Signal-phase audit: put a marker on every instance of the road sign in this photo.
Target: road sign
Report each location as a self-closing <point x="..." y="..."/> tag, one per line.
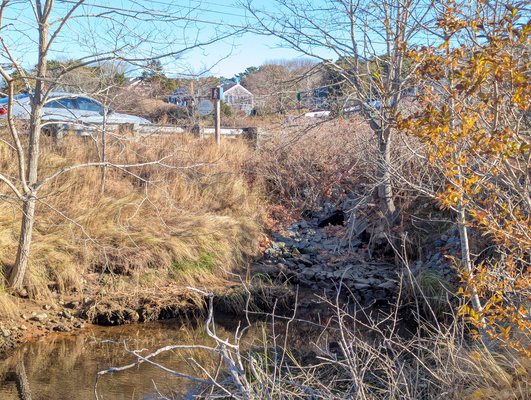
<point x="217" y="93"/>
<point x="205" y="107"/>
<point x="298" y="96"/>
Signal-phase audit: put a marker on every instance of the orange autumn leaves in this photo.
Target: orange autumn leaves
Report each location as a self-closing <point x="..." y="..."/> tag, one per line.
<point x="475" y="120"/>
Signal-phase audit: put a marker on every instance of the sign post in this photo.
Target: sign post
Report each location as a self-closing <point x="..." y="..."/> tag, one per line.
<point x="217" y="96"/>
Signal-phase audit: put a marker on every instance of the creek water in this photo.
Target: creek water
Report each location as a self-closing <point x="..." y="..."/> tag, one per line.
<point x="63" y="366"/>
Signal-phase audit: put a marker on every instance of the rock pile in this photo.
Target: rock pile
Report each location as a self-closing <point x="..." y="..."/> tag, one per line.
<point x="447" y="247"/>
<point x="330" y="257"/>
<point x="326" y="258"/>
<point x="61" y="321"/>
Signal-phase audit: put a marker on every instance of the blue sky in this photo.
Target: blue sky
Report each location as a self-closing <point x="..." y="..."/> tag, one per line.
<point x="84" y="36"/>
<point x="237" y="53"/>
<point x="172" y="26"/>
<point x="246" y="51"/>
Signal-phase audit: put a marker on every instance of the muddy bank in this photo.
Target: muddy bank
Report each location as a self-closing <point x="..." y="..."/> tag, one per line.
<point x="68" y="313"/>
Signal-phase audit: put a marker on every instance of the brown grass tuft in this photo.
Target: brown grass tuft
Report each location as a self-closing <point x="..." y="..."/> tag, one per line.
<point x="174" y="220"/>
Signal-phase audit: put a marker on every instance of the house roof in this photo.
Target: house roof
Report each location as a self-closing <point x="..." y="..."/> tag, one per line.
<point x="181" y="90"/>
<point x="234" y="87"/>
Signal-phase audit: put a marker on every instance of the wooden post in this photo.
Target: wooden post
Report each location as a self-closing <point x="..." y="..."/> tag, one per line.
<point x="253" y="135"/>
<point x="218" y="123"/>
<point x="198" y="131"/>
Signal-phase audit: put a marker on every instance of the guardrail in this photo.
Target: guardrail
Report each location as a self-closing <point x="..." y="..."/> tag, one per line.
<point x="252" y="134"/>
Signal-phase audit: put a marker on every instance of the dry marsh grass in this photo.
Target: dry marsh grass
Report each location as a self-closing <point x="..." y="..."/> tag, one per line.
<point x="301" y="162"/>
<point x="170" y="217"/>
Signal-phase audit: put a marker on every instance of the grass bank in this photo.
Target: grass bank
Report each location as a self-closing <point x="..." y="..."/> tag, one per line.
<point x="180" y="220"/>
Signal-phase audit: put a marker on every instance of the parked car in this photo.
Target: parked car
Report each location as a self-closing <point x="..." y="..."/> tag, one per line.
<point x="76" y="113"/>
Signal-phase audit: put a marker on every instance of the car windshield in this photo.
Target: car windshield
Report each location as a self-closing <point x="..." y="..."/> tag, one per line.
<point x="61" y="103"/>
<point x="87" y="104"/>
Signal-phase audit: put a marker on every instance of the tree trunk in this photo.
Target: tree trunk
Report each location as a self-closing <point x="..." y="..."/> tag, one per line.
<point x="16" y="275"/>
<point x="385" y="190"/>
<point x="465" y="251"/>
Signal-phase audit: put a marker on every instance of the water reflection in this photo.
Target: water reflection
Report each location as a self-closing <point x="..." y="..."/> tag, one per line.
<point x="64" y="366"/>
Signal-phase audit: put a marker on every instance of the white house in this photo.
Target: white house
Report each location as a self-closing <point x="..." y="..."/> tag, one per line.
<point x="236" y="96"/>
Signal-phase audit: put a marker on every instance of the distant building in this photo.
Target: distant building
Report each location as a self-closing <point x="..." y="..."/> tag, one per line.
<point x="320" y="97"/>
<point x="236" y="96"/>
<point x="181" y="97"/>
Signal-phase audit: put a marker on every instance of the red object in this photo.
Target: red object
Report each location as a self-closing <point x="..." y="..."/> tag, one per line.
<point x="2" y="111"/>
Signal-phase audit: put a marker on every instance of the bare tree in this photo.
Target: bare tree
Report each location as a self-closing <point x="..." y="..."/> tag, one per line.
<point x="362" y="43"/>
<point x="277" y="82"/>
<point x="131" y="33"/>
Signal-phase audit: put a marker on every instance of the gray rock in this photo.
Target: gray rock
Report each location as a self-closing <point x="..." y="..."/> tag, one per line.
<point x="321" y="276"/>
<point x="40" y="317"/>
<point x="351" y="274"/>
<point x="308" y="273"/>
<point x="454" y="232"/>
<point x="357" y="298"/>
<point x="270" y="252"/>
<point x="361" y="286"/>
<point x="291" y="266"/>
<point x="387" y="285"/>
<point x="47" y="307"/>
<point x="6" y="332"/>
<point x="340" y="273"/>
<point x="444" y="238"/>
<point x="78" y="324"/>
<point x="318" y="269"/>
<point x="355" y="243"/>
<point x="439" y="243"/>
<point x="23" y="327"/>
<point x="62" y="328"/>
<point x="310" y="250"/>
<point x="278" y="245"/>
<point x="306" y="261"/>
<point x="360" y="226"/>
<point x="303" y="224"/>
